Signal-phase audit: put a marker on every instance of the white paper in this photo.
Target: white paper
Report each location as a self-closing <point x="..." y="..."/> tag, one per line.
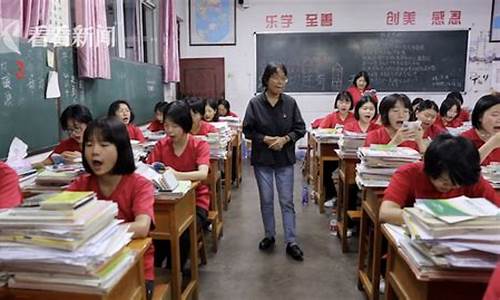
<point x="18" y="150"/>
<point x="53" y="86"/>
<point x="50" y="58"/>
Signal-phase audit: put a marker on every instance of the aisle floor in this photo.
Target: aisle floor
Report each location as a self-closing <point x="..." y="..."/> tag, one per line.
<point x="240" y="271"/>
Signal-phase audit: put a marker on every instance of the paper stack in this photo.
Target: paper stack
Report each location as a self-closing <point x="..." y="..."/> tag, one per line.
<point x="328" y="135"/>
<point x="460" y="232"/>
<point x="52" y="178"/>
<point x="78" y="249"/>
<point x="233" y="122"/>
<point x="349" y="143"/>
<point x="218" y="141"/>
<point x="459" y="130"/>
<point x="492" y="174"/>
<point x="379" y="162"/>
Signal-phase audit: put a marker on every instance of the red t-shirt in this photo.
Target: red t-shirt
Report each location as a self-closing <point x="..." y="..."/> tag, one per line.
<point x="205" y="128"/>
<point x="472" y="135"/>
<point x="381" y="136"/>
<point x="433" y="131"/>
<point x="409" y="182"/>
<point x="356" y="94"/>
<point x="134" y="196"/>
<point x="457" y="122"/>
<point x="464" y="116"/>
<point x="232" y="114"/>
<point x="155" y="126"/>
<point x="493" y="289"/>
<point x="334" y="118"/>
<point x="10" y="192"/>
<point x="135" y="133"/>
<point x="68" y="144"/>
<point x="196" y="153"/>
<point x="353" y="126"/>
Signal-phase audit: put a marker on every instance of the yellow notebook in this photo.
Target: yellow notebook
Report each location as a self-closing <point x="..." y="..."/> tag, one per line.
<point x="66" y="200"/>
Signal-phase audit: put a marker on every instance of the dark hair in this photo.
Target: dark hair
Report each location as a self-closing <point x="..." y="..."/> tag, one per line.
<point x="483" y="104"/>
<point x="361" y="74"/>
<point x="389" y="102"/>
<point x="113" y="108"/>
<point x="456" y="95"/>
<point x="213" y="103"/>
<point x="272" y="68"/>
<point x="77" y="112"/>
<point x="346" y="96"/>
<point x="226" y="104"/>
<point x="427" y="104"/>
<point x="361" y="102"/>
<point x="454" y="155"/>
<point x="447" y="104"/>
<point x="159" y="106"/>
<point x="197" y="105"/>
<point x="413" y="115"/>
<point x="111" y="130"/>
<point x="179" y="112"/>
<point x="416" y="101"/>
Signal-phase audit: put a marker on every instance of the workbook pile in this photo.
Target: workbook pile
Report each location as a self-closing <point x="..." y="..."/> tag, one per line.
<point x="233" y="122"/>
<point x="70" y="242"/>
<point x="218" y="140"/>
<point x="349" y="143"/>
<point x="379" y="162"/>
<point x="328" y="135"/>
<point x="492" y="174"/>
<point x="460" y="232"/>
<point x="53" y="178"/>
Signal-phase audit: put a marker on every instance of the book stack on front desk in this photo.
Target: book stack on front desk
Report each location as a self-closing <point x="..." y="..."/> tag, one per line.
<point x="379" y="162"/>
<point x="218" y="140"/>
<point x="233" y="122"/>
<point x="349" y="143"/>
<point x="70" y="242"/>
<point x="460" y="232"/>
<point x="52" y="178"/>
<point x="328" y="135"/>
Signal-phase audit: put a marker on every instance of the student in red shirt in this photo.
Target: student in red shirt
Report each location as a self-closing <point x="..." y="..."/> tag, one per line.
<point x="157" y="124"/>
<point x="211" y="111"/>
<point x="464" y="115"/>
<point x="364" y="114"/>
<point x="189" y="159"/>
<point x="427" y="112"/>
<point x="448" y="114"/>
<point x="74" y="121"/>
<point x="360" y="86"/>
<point x="450" y="169"/>
<point x="109" y="162"/>
<point x="493" y="289"/>
<point x="10" y="193"/>
<point x="485" y="134"/>
<point x="224" y="109"/>
<point x="342" y="111"/>
<point x="200" y="127"/>
<point x="121" y="109"/>
<point x="394" y="111"/>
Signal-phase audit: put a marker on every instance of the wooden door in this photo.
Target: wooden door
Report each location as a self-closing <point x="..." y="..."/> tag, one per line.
<point x="202" y="77"/>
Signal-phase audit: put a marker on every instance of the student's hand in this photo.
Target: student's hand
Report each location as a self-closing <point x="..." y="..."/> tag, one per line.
<point x="269" y="140"/>
<point x="279" y="143"/>
<point x="402" y="135"/>
<point x="71" y="156"/>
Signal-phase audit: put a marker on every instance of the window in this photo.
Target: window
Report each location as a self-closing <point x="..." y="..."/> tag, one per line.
<point x="112" y="20"/>
<point x="149" y="32"/>
<point x="132" y="51"/>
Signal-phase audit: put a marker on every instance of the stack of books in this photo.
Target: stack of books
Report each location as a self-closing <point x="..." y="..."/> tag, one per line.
<point x="71" y="242"/>
<point x="328" y="135"/>
<point x="349" y="143"/>
<point x="218" y="140"/>
<point x="459" y="130"/>
<point x="379" y="162"/>
<point x="52" y="178"/>
<point x="460" y="232"/>
<point x="233" y="122"/>
<point x="492" y="174"/>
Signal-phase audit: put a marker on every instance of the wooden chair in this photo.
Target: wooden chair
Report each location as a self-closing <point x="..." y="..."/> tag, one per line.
<point x="202" y="251"/>
<point x="162" y="292"/>
<point x="215" y="210"/>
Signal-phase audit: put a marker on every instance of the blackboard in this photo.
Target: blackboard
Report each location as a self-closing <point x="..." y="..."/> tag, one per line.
<point x="411" y="61"/>
<point x="25" y="113"/>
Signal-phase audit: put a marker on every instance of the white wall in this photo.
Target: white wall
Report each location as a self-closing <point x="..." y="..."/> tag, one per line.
<point x="348" y="15"/>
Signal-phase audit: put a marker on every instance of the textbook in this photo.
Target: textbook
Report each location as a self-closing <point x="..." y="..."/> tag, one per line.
<point x="182" y="188"/>
<point x="66" y="200"/>
<point x="165" y="182"/>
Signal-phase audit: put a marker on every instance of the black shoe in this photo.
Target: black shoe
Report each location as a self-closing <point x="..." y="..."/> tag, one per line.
<point x="266" y="243"/>
<point x="295" y="252"/>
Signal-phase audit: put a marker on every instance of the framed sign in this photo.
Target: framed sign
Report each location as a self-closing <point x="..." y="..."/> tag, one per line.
<point x="495" y="22"/>
<point x="212" y="22"/>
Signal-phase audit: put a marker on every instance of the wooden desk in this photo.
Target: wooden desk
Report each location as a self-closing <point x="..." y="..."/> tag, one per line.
<point x="320" y="152"/>
<point x="238" y="155"/>
<point x="130" y="286"/>
<point x="370" y="243"/>
<point x="215" y="210"/>
<point x="405" y="281"/>
<point x="174" y="216"/>
<point x="347" y="178"/>
<point x="228" y="172"/>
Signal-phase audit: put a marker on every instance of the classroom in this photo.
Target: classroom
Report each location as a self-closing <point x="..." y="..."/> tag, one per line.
<point x="249" y="149"/>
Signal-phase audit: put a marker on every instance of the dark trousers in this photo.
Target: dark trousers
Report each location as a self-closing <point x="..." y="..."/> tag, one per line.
<point x="162" y="247"/>
<point x="328" y="168"/>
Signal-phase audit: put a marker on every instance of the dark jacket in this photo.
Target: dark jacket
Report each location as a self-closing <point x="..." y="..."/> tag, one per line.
<point x="262" y="119"/>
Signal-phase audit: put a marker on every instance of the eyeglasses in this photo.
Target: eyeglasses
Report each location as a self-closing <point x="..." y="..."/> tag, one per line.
<point x="279" y="79"/>
<point x="70" y="131"/>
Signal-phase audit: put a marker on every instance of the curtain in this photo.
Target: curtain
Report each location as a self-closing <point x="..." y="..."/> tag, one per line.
<point x="26" y="13"/>
<point x="93" y="54"/>
<point x="169" y="42"/>
<point x="35" y="13"/>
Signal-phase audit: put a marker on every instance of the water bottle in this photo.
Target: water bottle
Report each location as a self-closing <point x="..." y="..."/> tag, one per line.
<point x="305" y="195"/>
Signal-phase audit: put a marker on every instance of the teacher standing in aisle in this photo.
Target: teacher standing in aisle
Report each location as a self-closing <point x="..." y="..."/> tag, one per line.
<point x="273" y="122"/>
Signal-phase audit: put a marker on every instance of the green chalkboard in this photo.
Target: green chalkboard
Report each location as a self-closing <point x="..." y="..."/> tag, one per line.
<point x="402" y="61"/>
<point x="24" y="111"/>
